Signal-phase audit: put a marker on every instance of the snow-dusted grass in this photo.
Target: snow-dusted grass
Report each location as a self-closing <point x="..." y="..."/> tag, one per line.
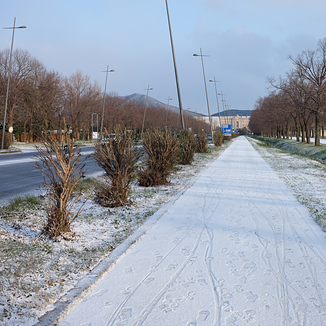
<point x="317" y="153"/>
<point x="36" y="271"/>
<point x="233" y="248"/>
<point x="306" y="177"/>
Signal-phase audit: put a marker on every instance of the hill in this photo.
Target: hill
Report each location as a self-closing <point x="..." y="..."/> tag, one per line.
<point x="151" y="102"/>
<point x="141" y="99"/>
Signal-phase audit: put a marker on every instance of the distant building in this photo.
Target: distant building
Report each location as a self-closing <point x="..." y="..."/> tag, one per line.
<point x="238" y="119"/>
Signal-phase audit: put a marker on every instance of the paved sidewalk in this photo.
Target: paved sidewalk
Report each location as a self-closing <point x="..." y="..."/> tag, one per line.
<point x="236" y="248"/>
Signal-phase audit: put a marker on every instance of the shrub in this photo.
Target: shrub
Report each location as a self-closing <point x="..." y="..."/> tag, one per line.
<point x="162" y="150"/>
<point x="118" y="159"/>
<point x="187" y="146"/>
<point x="202" y="142"/>
<point x="218" y="138"/>
<point x="62" y="168"/>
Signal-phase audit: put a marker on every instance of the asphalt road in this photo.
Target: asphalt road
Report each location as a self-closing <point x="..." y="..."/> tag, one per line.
<point x="18" y="175"/>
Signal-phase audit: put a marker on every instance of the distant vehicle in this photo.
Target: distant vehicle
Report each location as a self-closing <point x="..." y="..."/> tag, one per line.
<point x="105" y="138"/>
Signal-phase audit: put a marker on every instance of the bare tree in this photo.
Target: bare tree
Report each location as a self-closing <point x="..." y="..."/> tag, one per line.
<point x="81" y="98"/>
<point x="311" y="67"/>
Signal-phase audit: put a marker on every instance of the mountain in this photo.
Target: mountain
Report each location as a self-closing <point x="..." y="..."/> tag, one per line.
<point x="151" y="102"/>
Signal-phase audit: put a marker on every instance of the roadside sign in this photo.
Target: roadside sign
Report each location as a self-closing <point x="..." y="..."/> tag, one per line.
<point x="95" y="135"/>
<point x="226" y="130"/>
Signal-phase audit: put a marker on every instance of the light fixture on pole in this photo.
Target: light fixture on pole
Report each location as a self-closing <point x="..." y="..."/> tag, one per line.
<point x="222" y="94"/>
<point x="142" y="128"/>
<point x="167" y="110"/>
<point x="104" y="94"/>
<point x="94" y="133"/>
<point x="8" y="82"/>
<point x="218" y="106"/>
<point x="175" y="67"/>
<point x="209" y="112"/>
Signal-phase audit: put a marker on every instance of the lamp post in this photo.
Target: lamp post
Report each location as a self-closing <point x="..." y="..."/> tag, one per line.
<point x="167" y="110"/>
<point x="222" y="94"/>
<point x="8" y="82"/>
<point x="209" y="112"/>
<point x="93" y="133"/>
<point x="175" y="67"/>
<point x="218" y="106"/>
<point x="104" y="94"/>
<point x="142" y="129"/>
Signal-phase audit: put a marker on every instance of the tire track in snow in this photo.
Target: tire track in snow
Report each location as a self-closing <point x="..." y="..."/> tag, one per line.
<point x="208" y="210"/>
<point x="123" y="303"/>
<point x="279" y="252"/>
<point x="208" y="257"/>
<point x="284" y="284"/>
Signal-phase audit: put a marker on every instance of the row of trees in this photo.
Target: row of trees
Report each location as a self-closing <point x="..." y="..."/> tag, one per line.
<point x="297" y="107"/>
<point x="40" y="100"/>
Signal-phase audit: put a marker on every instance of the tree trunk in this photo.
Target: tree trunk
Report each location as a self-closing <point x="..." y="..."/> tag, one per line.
<point x="317" y="130"/>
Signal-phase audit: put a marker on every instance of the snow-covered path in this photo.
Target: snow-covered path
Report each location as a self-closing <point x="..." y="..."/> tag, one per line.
<point x="236" y="248"/>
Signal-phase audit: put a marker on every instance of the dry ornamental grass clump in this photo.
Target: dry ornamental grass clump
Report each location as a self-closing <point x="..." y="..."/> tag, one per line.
<point x="162" y="150"/>
<point x="118" y="158"/>
<point x="62" y="167"/>
<point x="218" y="138"/>
<point x="188" y="146"/>
<point x="202" y="142"/>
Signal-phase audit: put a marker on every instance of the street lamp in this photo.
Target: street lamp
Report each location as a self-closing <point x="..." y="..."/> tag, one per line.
<point x="8" y="82"/>
<point x="218" y="106"/>
<point x="175" y="66"/>
<point x="142" y="129"/>
<point x="167" y="110"/>
<point x="106" y="81"/>
<point x="93" y="132"/>
<point x="209" y="113"/>
<point x="222" y="94"/>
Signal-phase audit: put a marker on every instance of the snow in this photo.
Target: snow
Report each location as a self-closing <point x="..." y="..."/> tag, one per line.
<point x="36" y="273"/>
<point x="235" y="248"/>
<point x="230" y="246"/>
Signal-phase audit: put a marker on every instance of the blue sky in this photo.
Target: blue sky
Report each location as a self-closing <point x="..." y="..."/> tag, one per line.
<point x="246" y="40"/>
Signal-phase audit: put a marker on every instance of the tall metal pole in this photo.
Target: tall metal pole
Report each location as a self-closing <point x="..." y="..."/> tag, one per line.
<point x="8" y="82"/>
<point x="209" y="112"/>
<point x="93" y="125"/>
<point x="223" y="105"/>
<point x="104" y="95"/>
<point x="175" y="67"/>
<point x="142" y="129"/>
<point x="167" y="110"/>
<point x="218" y="106"/>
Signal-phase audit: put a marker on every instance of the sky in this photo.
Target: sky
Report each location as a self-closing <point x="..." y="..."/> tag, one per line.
<point x="245" y="41"/>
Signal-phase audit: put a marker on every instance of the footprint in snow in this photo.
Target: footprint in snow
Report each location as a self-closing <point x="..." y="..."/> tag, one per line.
<point x="128" y="270"/>
<point x="250" y="296"/>
<point x="125" y="313"/>
<point x="99" y="293"/>
<point x="202" y="315"/>
<point x="191" y="323"/>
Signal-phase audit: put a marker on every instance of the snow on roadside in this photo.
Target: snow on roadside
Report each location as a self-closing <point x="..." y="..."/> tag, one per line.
<point x="35" y="271"/>
<point x="305" y="177"/>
